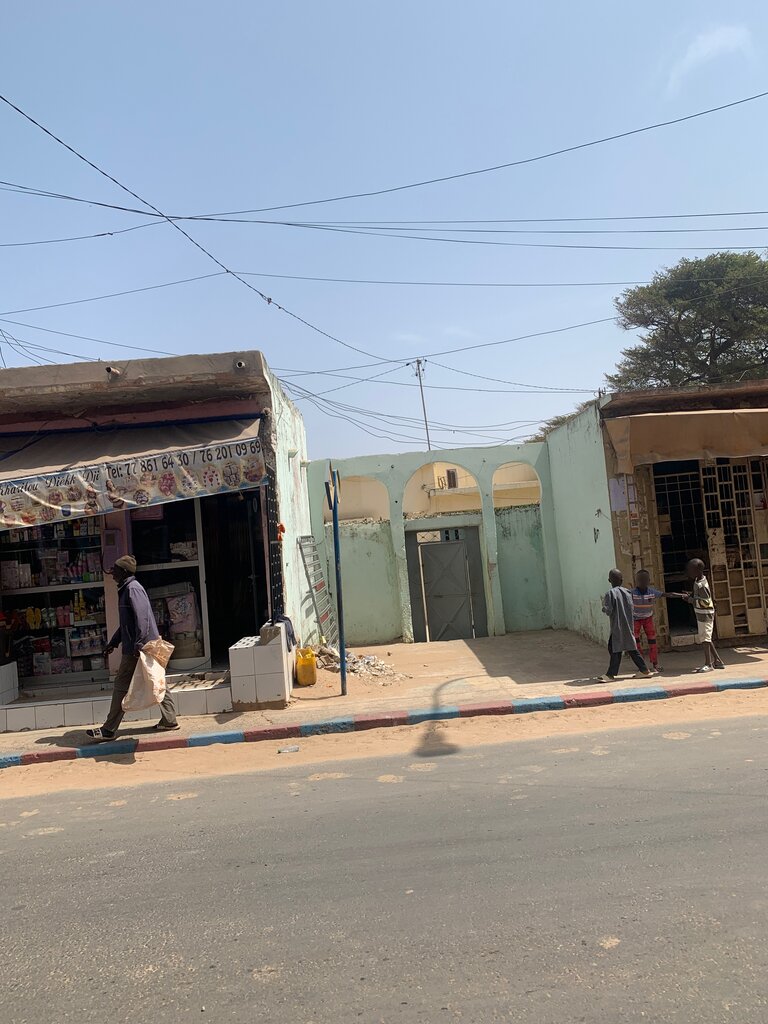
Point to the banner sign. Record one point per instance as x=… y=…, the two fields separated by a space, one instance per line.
x=132 y=483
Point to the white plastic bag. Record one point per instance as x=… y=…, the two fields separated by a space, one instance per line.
x=147 y=686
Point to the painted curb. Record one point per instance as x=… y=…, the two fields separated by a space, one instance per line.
x=382 y=720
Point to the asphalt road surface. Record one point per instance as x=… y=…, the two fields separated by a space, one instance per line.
x=607 y=878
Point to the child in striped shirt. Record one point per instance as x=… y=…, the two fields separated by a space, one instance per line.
x=643 y=598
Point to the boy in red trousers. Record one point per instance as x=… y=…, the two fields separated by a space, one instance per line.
x=643 y=598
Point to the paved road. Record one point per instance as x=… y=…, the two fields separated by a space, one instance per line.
x=604 y=879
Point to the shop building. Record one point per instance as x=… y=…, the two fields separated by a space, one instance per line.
x=194 y=464
x=688 y=478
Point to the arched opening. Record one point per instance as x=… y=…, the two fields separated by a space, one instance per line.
x=439 y=489
x=516 y=483
x=441 y=509
x=362 y=497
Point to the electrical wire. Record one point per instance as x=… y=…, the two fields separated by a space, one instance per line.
x=473 y=284
x=85 y=337
x=385 y=233
x=79 y=238
x=529 y=390
x=206 y=252
x=511 y=163
x=112 y=295
x=517 y=231
x=539 y=220
x=8 y=186
x=498 y=380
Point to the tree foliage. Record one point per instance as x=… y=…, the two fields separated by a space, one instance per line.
x=704 y=321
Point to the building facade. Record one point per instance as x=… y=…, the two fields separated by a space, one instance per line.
x=194 y=464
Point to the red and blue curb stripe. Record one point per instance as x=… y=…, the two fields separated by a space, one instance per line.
x=382 y=720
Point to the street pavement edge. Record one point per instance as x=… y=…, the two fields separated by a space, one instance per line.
x=383 y=720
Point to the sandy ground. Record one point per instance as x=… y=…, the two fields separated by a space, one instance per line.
x=423 y=742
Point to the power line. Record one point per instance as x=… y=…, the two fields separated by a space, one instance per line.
x=383 y=229
x=78 y=238
x=8 y=186
x=534 y=220
x=386 y=233
x=113 y=295
x=498 y=380
x=508 y=164
x=85 y=337
x=206 y=252
x=473 y=284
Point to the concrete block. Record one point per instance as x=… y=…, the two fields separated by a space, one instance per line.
x=384 y=720
x=3 y=720
x=190 y=702
x=241 y=656
x=78 y=712
x=271 y=688
x=101 y=708
x=49 y=716
x=270 y=658
x=591 y=699
x=46 y=756
x=432 y=715
x=243 y=689
x=208 y=739
x=147 y=715
x=740 y=684
x=218 y=700
x=491 y=708
x=639 y=693
x=276 y=732
x=537 y=704
x=20 y=718
x=329 y=726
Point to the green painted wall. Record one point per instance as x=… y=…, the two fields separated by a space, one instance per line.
x=394 y=471
x=371 y=596
x=582 y=520
x=290 y=445
x=522 y=569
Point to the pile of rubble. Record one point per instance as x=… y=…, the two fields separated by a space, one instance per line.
x=367 y=666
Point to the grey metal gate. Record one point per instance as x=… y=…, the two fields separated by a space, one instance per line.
x=447 y=592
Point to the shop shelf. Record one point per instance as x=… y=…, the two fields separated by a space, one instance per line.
x=54 y=588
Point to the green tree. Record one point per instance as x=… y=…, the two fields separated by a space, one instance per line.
x=704 y=321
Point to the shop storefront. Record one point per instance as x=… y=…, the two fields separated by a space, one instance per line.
x=191 y=502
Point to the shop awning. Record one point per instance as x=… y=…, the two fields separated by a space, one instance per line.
x=46 y=477
x=675 y=436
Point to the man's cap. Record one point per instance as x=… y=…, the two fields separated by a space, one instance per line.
x=127 y=562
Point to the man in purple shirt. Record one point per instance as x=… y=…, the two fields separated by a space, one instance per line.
x=137 y=627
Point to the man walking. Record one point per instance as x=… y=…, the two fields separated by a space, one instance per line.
x=137 y=627
x=617 y=605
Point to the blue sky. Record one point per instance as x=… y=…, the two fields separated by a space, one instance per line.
x=240 y=105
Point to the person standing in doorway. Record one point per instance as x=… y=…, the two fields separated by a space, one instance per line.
x=137 y=627
x=704 y=608
x=617 y=605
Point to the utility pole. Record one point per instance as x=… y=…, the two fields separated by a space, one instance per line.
x=420 y=374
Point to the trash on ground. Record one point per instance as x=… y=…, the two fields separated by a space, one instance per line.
x=288 y=750
x=367 y=666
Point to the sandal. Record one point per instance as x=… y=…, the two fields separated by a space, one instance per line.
x=164 y=727
x=704 y=668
